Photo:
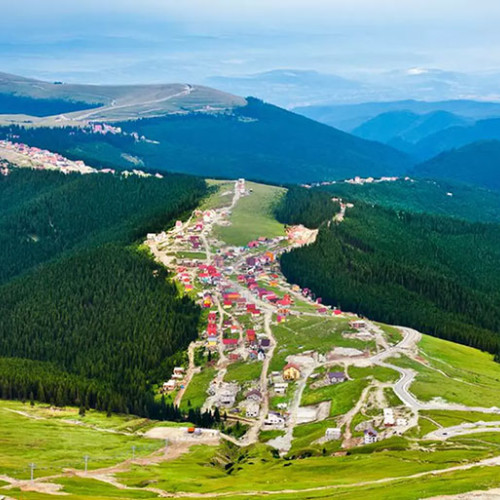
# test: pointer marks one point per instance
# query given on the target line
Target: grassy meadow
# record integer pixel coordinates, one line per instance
(253, 217)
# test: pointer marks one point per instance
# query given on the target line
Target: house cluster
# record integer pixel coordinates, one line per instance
(252, 403)
(391, 420)
(43, 159)
(104, 129)
(175, 380)
(211, 332)
(224, 394)
(184, 277)
(208, 274)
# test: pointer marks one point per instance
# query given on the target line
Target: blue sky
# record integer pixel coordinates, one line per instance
(162, 40)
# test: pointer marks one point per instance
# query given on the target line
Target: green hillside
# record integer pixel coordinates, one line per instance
(87, 318)
(477, 163)
(46, 213)
(433, 273)
(439, 197)
(257, 141)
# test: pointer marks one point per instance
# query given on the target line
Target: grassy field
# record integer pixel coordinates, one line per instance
(380, 373)
(242, 371)
(451, 418)
(196, 393)
(221, 196)
(257, 470)
(305, 333)
(462, 362)
(252, 217)
(53, 443)
(470, 377)
(265, 436)
(343, 396)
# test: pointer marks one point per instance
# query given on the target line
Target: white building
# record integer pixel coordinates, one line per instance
(170, 385)
(389, 419)
(281, 388)
(274, 420)
(252, 409)
(333, 433)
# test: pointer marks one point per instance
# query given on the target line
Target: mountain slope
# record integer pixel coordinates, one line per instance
(258, 141)
(108, 102)
(432, 273)
(477, 163)
(438, 197)
(405, 126)
(456, 137)
(101, 320)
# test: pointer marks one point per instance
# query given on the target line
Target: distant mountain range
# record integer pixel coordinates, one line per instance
(348, 117)
(194, 130)
(477, 163)
(406, 126)
(293, 87)
(207, 132)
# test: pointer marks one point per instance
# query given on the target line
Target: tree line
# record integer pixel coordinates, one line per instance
(87, 317)
(305, 206)
(433, 273)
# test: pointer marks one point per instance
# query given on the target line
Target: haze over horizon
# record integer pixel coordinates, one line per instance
(378, 45)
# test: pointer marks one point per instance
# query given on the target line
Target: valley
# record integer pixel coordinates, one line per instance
(327, 390)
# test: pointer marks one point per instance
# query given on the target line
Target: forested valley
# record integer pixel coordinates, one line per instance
(433, 273)
(88, 318)
(305, 206)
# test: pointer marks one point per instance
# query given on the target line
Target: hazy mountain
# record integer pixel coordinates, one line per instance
(292, 88)
(347, 117)
(407, 126)
(456, 137)
(477, 163)
(289, 88)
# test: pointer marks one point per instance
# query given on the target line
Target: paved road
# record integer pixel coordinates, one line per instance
(463, 429)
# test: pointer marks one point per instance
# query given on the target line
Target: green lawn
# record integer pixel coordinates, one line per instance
(380, 373)
(451, 418)
(243, 371)
(257, 470)
(458, 361)
(343, 396)
(265, 436)
(52, 444)
(196, 393)
(221, 196)
(471, 376)
(253, 217)
(191, 255)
